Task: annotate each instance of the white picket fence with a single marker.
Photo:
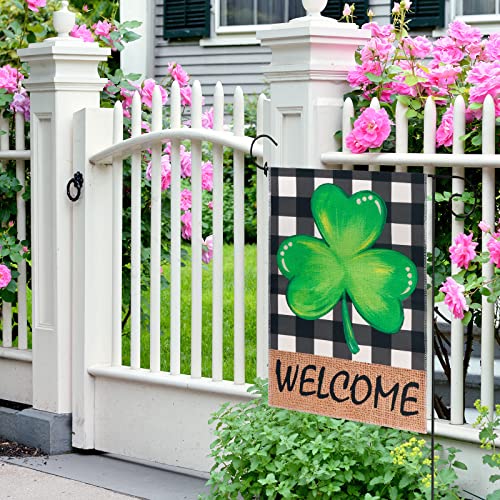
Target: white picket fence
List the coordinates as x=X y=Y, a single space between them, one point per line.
x=15 y=357
x=457 y=162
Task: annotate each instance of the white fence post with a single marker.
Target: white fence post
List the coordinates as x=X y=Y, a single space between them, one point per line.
x=63 y=80
x=311 y=57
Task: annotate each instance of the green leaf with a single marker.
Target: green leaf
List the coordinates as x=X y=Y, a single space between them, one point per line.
x=460 y=465
x=374 y=78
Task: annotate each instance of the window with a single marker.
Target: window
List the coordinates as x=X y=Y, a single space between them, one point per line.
x=244 y=16
x=484 y=14
x=247 y=14
x=479 y=7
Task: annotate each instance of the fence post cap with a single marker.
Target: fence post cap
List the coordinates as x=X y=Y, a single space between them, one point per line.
x=314 y=7
x=63 y=20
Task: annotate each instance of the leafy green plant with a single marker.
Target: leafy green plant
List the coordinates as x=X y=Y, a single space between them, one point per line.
x=488 y=424
x=265 y=452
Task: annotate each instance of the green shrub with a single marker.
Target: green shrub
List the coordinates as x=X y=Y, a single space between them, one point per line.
x=265 y=452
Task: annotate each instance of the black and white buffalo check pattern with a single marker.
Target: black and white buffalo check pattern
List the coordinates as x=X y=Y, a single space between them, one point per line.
x=404 y=195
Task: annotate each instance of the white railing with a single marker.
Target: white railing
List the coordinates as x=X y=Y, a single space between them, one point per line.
x=154 y=141
x=19 y=155
x=457 y=163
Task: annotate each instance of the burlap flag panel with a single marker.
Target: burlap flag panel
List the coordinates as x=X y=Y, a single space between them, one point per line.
x=347 y=304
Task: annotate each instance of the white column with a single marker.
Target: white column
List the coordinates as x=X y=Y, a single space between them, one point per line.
x=63 y=80
x=138 y=56
x=311 y=57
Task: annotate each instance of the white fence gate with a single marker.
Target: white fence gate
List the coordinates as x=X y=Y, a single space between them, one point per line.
x=167 y=412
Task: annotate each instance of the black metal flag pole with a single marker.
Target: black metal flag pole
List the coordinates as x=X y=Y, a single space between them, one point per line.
x=433 y=266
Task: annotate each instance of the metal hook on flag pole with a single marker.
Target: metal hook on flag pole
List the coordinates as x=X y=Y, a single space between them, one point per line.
x=264 y=168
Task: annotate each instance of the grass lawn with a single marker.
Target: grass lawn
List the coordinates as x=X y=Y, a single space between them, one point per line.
x=250 y=321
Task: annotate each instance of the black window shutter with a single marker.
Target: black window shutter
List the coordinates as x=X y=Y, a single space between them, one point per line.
x=186 y=18
x=334 y=9
x=425 y=13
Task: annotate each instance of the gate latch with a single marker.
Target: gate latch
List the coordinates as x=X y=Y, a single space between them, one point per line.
x=77 y=182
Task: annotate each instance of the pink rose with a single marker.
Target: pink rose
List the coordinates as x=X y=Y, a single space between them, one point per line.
x=186 y=230
x=5 y=276
x=207 y=176
x=207 y=251
x=444 y=133
x=10 y=78
x=446 y=51
x=148 y=87
x=463 y=34
x=103 y=28
x=177 y=72
x=210 y=205
x=377 y=48
x=186 y=197
x=492 y=48
x=370 y=130
x=207 y=119
x=378 y=31
x=186 y=94
x=82 y=32
x=418 y=47
x=485 y=227
x=493 y=246
x=34 y=5
x=166 y=172
x=454 y=299
x=463 y=250
x=185 y=162
x=21 y=103
x=357 y=77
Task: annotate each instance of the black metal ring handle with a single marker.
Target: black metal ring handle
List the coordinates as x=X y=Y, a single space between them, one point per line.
x=264 y=168
x=77 y=182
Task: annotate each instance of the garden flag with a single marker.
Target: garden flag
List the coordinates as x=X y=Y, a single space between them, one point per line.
x=347 y=332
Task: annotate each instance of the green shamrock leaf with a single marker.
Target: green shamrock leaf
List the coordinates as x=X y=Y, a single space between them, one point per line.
x=322 y=272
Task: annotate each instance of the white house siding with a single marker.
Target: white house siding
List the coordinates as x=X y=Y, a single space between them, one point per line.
x=233 y=65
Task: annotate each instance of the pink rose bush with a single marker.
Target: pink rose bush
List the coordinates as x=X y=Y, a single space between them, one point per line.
x=145 y=91
x=394 y=66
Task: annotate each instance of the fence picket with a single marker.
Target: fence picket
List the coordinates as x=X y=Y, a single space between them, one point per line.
x=347 y=116
x=488 y=215
x=239 y=242
x=457 y=226
x=22 y=310
x=175 y=238
x=218 y=240
x=135 y=303
x=117 y=238
x=196 y=236
x=262 y=254
x=155 y=259
x=375 y=104
x=401 y=133
x=6 y=306
x=429 y=148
